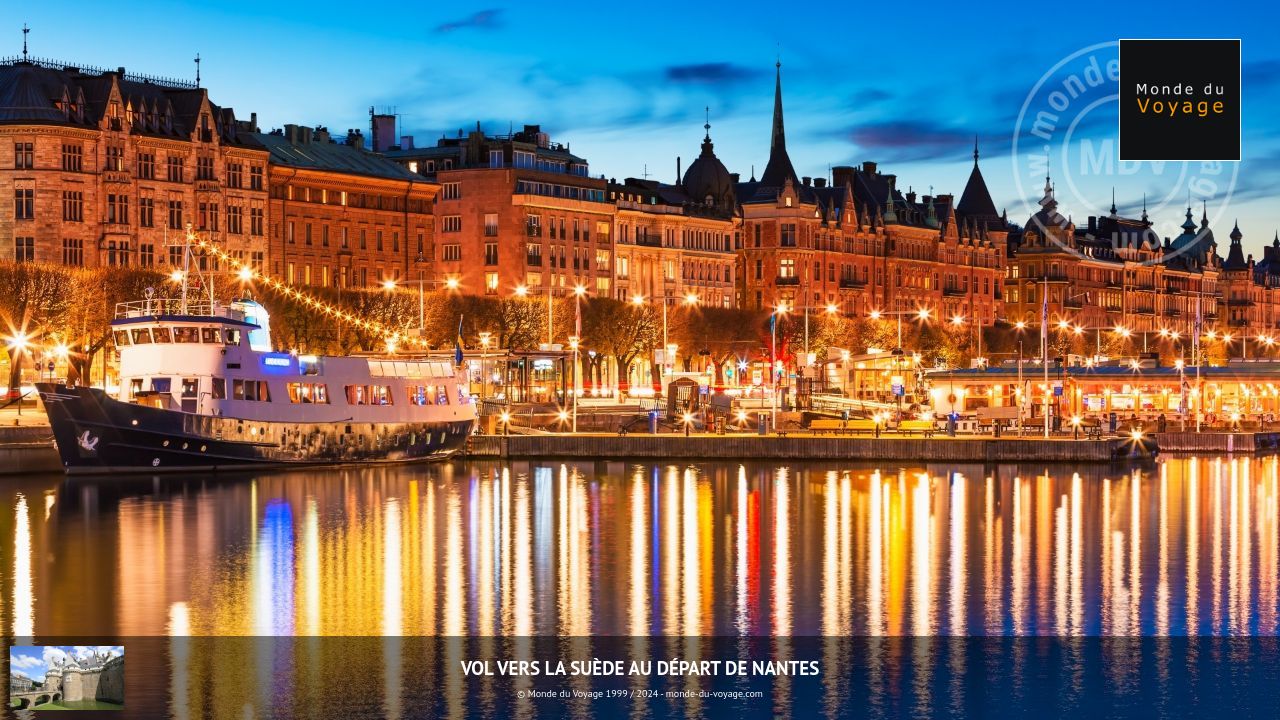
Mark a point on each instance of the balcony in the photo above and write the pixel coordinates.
(534, 261)
(1172, 312)
(1239, 302)
(788, 280)
(116, 176)
(953, 292)
(533, 230)
(851, 283)
(208, 186)
(1144, 311)
(649, 241)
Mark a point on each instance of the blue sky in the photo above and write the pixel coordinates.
(907, 86)
(34, 661)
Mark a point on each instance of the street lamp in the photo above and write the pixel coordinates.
(245, 274)
(485, 337)
(773, 360)
(573, 343)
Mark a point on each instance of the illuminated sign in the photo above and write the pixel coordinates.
(277, 360)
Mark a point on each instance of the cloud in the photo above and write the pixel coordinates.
(869, 96)
(716, 73)
(490, 19)
(26, 662)
(1260, 73)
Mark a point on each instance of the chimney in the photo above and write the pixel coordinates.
(120, 71)
(1093, 225)
(253, 121)
(911, 195)
(868, 167)
(735, 177)
(291, 133)
(355, 138)
(841, 175)
(321, 134)
(406, 142)
(678, 174)
(819, 182)
(806, 180)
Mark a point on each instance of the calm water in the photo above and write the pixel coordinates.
(639, 551)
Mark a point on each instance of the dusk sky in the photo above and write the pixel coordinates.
(625, 85)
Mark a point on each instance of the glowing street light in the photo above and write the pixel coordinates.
(451, 283)
(1020, 325)
(177, 276)
(957, 320)
(245, 274)
(388, 284)
(522, 291)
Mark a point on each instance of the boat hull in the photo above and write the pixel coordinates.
(97, 434)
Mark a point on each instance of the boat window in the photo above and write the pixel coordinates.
(442, 395)
(190, 387)
(231, 336)
(186, 334)
(368, 395)
(219, 389)
(141, 336)
(308, 393)
(135, 387)
(308, 365)
(210, 335)
(463, 398)
(253, 390)
(122, 338)
(418, 394)
(162, 334)
(161, 384)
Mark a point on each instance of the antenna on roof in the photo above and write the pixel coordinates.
(197, 69)
(25, 31)
(646, 171)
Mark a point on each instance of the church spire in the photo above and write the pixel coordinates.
(975, 201)
(779, 168)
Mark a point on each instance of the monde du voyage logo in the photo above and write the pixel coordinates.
(1180, 100)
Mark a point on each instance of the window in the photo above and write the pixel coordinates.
(452, 253)
(24, 249)
(234, 220)
(173, 168)
(186, 334)
(72, 157)
(255, 177)
(118, 254)
(115, 158)
(788, 234)
(251, 390)
(491, 283)
(147, 166)
(624, 267)
(118, 208)
(534, 254)
(491, 253)
(491, 225)
(306, 233)
(146, 255)
(219, 388)
(759, 269)
(495, 158)
(72, 251)
(147, 212)
(256, 221)
(452, 191)
(72, 206)
(175, 214)
(24, 204)
(787, 268)
(234, 175)
(308, 393)
(452, 224)
(24, 155)
(369, 395)
(602, 260)
(204, 167)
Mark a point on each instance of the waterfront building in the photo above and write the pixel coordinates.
(517, 214)
(342, 216)
(861, 244)
(107, 167)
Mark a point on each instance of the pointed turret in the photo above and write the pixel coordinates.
(779, 168)
(975, 201)
(1235, 256)
(889, 215)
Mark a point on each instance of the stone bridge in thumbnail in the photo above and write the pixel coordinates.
(31, 698)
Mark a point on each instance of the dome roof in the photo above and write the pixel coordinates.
(708, 177)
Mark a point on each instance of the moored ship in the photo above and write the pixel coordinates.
(201, 388)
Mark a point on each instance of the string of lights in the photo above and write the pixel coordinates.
(246, 273)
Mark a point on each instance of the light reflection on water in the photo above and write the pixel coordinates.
(1188, 546)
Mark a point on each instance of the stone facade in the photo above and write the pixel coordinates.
(105, 168)
(75, 683)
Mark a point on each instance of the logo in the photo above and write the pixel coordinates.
(88, 443)
(1180, 100)
(1067, 164)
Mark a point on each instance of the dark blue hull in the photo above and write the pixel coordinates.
(98, 434)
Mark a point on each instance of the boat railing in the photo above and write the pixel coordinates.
(174, 306)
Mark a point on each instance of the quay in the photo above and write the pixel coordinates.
(797, 446)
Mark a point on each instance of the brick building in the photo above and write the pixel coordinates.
(108, 167)
(860, 244)
(343, 216)
(515, 211)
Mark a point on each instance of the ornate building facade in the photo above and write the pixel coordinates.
(108, 168)
(342, 216)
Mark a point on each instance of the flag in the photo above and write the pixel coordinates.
(457, 344)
